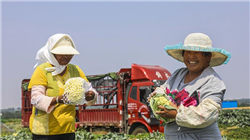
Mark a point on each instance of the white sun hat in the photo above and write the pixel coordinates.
(202, 43)
(64, 46)
(57, 44)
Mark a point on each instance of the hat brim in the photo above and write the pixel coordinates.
(219, 56)
(67, 50)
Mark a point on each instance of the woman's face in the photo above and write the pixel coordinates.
(196, 61)
(63, 59)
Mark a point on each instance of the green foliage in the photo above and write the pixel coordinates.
(21, 134)
(11, 120)
(11, 113)
(244, 105)
(241, 133)
(238, 117)
(10, 125)
(25, 86)
(141, 136)
(149, 136)
(82, 134)
(25, 134)
(113, 136)
(234, 124)
(235, 133)
(243, 102)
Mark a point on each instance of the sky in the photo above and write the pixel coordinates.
(112, 35)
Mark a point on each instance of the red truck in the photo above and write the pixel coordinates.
(121, 102)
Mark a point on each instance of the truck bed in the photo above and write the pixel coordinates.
(99, 117)
(105, 112)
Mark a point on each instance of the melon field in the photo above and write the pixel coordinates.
(234, 125)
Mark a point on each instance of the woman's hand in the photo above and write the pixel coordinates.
(89, 95)
(57, 99)
(166, 113)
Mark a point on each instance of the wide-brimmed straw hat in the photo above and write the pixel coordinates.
(202, 43)
(64, 46)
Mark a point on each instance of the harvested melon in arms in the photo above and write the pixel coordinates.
(75, 89)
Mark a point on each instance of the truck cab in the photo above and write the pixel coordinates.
(144, 80)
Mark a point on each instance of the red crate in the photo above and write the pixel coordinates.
(26, 108)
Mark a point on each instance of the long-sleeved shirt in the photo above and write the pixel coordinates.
(42, 102)
(196, 122)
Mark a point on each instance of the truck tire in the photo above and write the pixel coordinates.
(139, 129)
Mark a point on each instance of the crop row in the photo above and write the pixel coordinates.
(228, 119)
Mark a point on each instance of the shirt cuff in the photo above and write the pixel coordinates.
(40, 100)
(200, 116)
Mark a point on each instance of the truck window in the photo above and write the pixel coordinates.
(127, 89)
(133, 93)
(144, 92)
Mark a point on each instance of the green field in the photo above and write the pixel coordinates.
(234, 125)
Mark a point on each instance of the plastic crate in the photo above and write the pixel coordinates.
(26, 108)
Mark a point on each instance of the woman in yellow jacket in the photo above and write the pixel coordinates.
(51, 117)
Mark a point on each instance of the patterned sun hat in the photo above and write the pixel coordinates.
(202, 43)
